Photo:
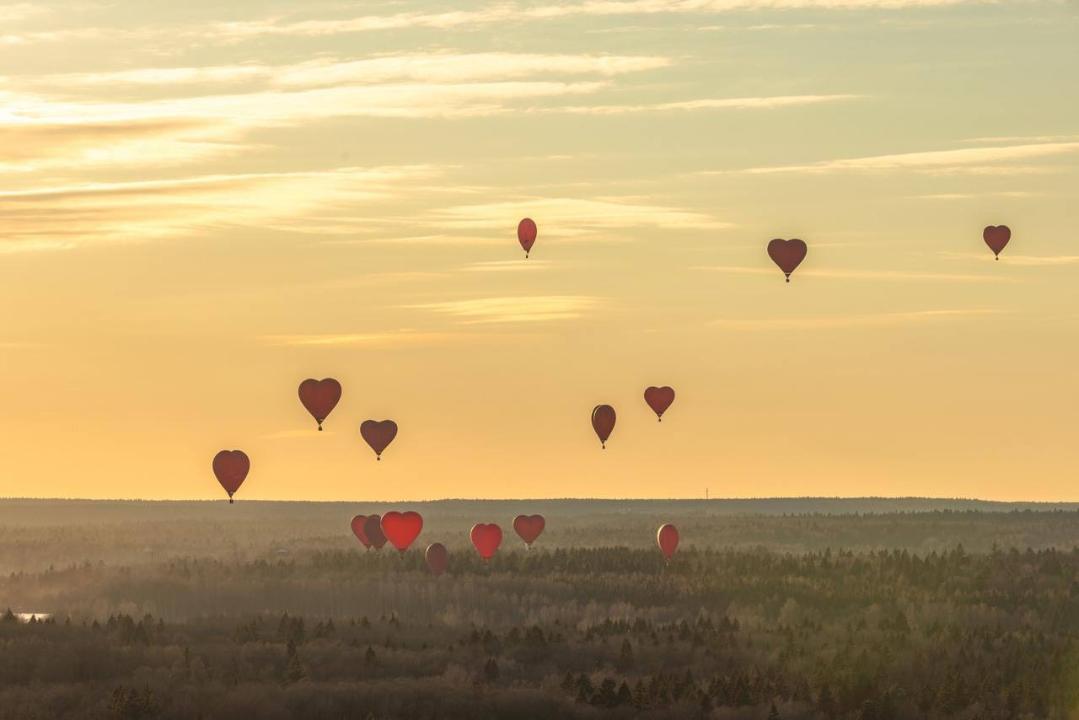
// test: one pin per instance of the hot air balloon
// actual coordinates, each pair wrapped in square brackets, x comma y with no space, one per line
[667,539]
[486,538]
[437,558]
[357,530]
[378,434]
[402,528]
[372,528]
[526,234]
[603,417]
[659,399]
[996,237]
[529,527]
[231,468]
[320,397]
[787,254]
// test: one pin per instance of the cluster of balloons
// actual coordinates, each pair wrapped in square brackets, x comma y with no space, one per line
[604,416]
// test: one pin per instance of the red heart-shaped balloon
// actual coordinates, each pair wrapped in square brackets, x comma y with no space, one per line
[231,468]
[378,434]
[529,527]
[320,397]
[526,234]
[603,418]
[372,528]
[659,399]
[358,531]
[997,237]
[402,528]
[486,539]
[437,558]
[667,539]
[787,254]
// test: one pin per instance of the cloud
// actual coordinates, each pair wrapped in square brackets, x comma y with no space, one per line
[1016,260]
[498,266]
[845,321]
[893,275]
[744,103]
[379,340]
[522,309]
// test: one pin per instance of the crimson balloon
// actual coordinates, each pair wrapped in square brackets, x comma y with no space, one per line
[526,234]
[787,254]
[378,434]
[372,528]
[659,399]
[437,558]
[996,237]
[320,397]
[529,527]
[402,528]
[231,468]
[486,539]
[357,530]
[667,539]
[603,417]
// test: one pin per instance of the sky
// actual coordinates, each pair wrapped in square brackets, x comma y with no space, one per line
[204,203]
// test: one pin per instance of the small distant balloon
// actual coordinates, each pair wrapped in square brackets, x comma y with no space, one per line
[603,418]
[526,234]
[357,524]
[437,558]
[486,539]
[787,254]
[378,434]
[401,529]
[372,528]
[320,397]
[659,399]
[231,468]
[997,237]
[529,527]
[667,539]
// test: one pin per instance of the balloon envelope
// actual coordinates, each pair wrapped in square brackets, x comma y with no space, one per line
[667,539]
[486,539]
[659,399]
[378,434]
[529,527]
[787,254]
[437,558]
[997,237]
[372,528]
[603,417]
[320,397]
[231,468]
[402,528]
[526,234]
[357,529]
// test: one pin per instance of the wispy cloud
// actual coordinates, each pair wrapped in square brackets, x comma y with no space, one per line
[1017,260]
[379,340]
[845,321]
[564,217]
[521,309]
[499,266]
[886,275]
[743,103]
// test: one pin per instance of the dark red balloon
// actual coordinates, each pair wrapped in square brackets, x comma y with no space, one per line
[997,237]
[787,254]
[378,434]
[357,530]
[529,527]
[486,538]
[231,468]
[659,399]
[320,397]
[667,539]
[372,528]
[402,528]
[526,234]
[437,558]
[603,417]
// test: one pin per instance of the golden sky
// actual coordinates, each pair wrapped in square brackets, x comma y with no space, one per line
[202,205]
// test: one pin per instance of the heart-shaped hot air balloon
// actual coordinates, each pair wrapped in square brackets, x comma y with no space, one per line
[526,234]
[231,468]
[667,539]
[378,434]
[320,397]
[603,417]
[402,528]
[437,558]
[659,399]
[997,237]
[372,528]
[357,530]
[529,527]
[486,538]
[787,254]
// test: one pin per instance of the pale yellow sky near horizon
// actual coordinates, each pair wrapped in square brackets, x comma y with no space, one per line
[201,207]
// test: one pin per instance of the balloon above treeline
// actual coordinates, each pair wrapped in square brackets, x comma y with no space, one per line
[401,529]
[486,538]
[231,468]
[667,539]
[787,254]
[529,527]
[526,234]
[378,434]
[603,419]
[997,237]
[437,557]
[659,399]
[320,397]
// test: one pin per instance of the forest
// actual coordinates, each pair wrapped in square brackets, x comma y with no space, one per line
[854,613]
